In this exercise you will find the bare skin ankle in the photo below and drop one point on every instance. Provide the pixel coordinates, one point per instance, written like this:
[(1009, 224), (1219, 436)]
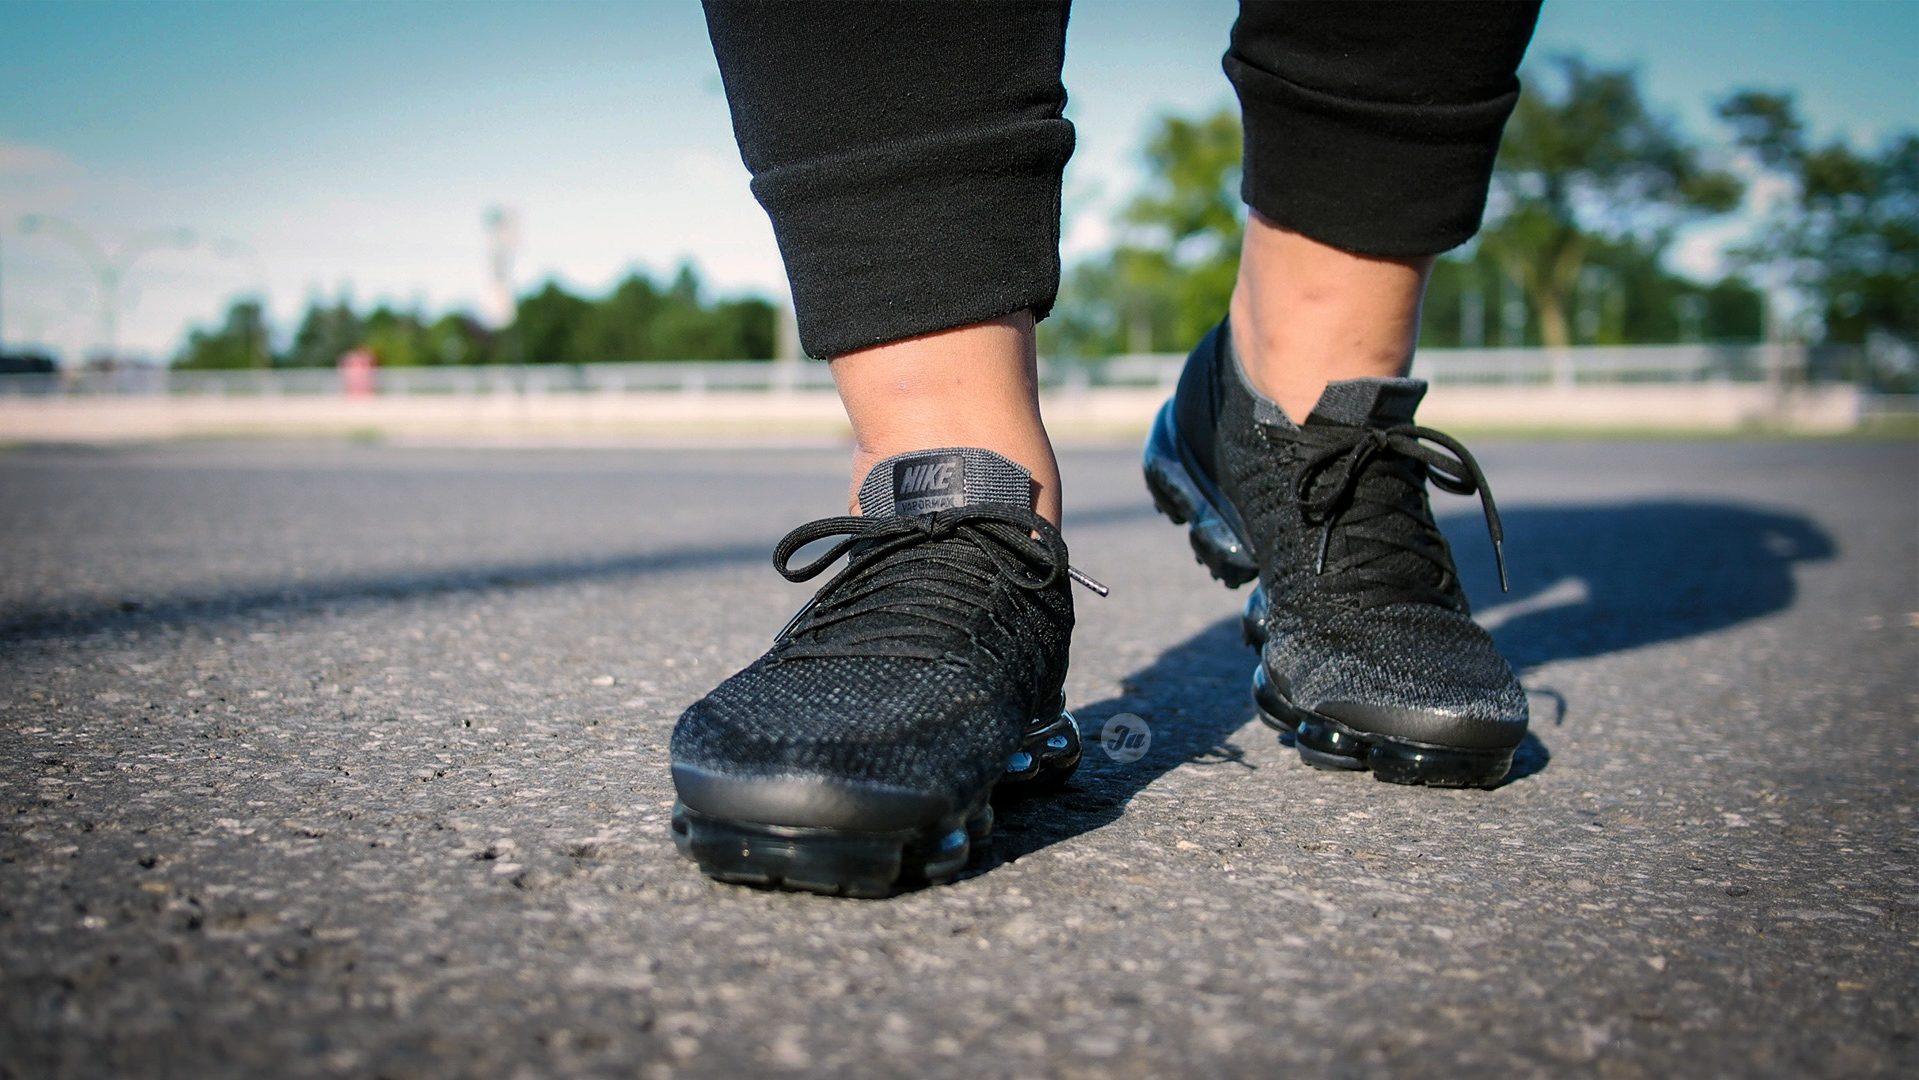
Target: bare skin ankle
[(972, 386), (1305, 314)]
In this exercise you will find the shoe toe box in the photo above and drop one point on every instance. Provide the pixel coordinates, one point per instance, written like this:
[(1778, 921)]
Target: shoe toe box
[(883, 745), (1421, 674)]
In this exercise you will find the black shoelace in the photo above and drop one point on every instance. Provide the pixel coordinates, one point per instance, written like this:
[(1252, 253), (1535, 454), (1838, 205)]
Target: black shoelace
[(1366, 511), (899, 566)]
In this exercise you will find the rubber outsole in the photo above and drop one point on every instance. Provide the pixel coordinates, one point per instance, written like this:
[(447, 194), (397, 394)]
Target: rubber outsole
[(838, 862), (1326, 743), (1183, 493)]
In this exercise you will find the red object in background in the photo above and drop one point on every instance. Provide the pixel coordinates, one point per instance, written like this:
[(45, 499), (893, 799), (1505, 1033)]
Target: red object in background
[(356, 373)]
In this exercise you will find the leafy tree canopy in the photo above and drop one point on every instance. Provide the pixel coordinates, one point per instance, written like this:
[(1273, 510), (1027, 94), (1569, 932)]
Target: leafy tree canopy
[(1169, 279), (1849, 238), (242, 341), (1584, 159), (638, 320)]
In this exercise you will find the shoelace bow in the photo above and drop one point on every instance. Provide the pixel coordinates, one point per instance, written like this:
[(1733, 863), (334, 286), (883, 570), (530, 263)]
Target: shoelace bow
[(1352, 450), (1021, 546)]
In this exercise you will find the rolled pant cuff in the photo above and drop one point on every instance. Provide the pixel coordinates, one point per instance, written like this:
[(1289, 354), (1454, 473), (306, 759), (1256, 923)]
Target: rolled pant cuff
[(1371, 177), (915, 236)]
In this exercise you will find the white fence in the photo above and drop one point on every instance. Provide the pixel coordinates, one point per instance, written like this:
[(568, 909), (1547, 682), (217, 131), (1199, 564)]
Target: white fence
[(1484, 367)]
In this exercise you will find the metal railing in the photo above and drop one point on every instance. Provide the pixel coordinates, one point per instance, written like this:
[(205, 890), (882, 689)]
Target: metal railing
[(1568, 367), (1637, 364)]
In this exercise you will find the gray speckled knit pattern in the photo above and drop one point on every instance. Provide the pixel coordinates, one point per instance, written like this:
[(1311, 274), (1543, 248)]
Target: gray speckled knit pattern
[(1327, 640), (948, 729), (1409, 656), (923, 670)]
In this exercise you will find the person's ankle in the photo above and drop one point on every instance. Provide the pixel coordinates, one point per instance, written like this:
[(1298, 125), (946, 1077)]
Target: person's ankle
[(1305, 314), (1269, 366), (972, 386)]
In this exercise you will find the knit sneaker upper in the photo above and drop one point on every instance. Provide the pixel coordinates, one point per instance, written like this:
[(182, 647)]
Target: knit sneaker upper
[(1366, 619), (913, 672)]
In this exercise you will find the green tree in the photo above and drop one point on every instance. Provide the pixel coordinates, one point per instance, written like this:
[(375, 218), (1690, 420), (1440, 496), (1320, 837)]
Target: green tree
[(617, 329), (326, 333), (1850, 236), (549, 325), (458, 338), (1625, 296), (749, 329), (1192, 202), (241, 341), (1172, 276), (1583, 161), (397, 338), (686, 328), (640, 320), (682, 329)]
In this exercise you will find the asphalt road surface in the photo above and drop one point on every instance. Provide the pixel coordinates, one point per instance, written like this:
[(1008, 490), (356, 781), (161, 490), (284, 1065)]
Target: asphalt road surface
[(334, 760)]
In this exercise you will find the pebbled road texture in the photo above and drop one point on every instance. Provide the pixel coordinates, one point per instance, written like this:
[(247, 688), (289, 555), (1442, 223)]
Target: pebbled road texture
[(334, 760)]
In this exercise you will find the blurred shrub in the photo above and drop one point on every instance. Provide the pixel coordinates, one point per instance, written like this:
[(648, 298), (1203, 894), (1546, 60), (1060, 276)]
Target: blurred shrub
[(242, 341), (638, 320)]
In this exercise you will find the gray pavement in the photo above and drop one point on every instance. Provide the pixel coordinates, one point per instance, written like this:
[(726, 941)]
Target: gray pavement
[(335, 760)]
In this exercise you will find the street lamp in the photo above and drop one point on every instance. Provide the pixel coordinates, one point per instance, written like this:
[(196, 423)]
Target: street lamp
[(109, 267)]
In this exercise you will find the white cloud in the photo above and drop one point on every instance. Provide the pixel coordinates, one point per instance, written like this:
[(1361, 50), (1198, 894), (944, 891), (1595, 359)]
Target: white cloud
[(21, 159), (1700, 250)]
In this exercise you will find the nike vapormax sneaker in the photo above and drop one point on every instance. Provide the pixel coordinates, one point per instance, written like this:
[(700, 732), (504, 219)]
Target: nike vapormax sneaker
[(1369, 654), (858, 755)]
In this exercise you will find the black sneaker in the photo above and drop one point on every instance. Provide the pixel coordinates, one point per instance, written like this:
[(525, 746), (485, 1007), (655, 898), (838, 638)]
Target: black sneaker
[(858, 755), (1369, 654)]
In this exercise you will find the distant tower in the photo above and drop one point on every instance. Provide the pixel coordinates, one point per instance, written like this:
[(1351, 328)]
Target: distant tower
[(502, 243)]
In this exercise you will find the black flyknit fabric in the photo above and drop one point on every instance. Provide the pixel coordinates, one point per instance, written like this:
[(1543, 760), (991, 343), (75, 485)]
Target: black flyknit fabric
[(923, 662), (1372, 620)]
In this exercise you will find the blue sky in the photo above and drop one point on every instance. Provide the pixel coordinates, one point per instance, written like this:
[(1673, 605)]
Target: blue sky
[(314, 148)]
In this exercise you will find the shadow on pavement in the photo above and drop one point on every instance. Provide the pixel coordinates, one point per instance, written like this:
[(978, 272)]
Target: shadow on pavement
[(1194, 697), (76, 617), (54, 621), (1587, 580)]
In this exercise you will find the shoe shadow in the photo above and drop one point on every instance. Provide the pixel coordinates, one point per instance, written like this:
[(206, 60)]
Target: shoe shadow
[(1590, 580), (1586, 581), (1194, 697)]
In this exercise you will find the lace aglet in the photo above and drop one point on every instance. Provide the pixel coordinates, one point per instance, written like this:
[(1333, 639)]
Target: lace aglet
[(1325, 541), (1084, 579), (1499, 560)]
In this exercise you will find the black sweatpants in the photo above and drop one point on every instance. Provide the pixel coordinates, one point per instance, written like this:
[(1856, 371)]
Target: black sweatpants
[(909, 153)]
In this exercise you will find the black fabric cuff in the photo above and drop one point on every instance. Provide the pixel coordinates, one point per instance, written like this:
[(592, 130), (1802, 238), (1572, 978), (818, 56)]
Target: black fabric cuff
[(1370, 177), (913, 236)]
